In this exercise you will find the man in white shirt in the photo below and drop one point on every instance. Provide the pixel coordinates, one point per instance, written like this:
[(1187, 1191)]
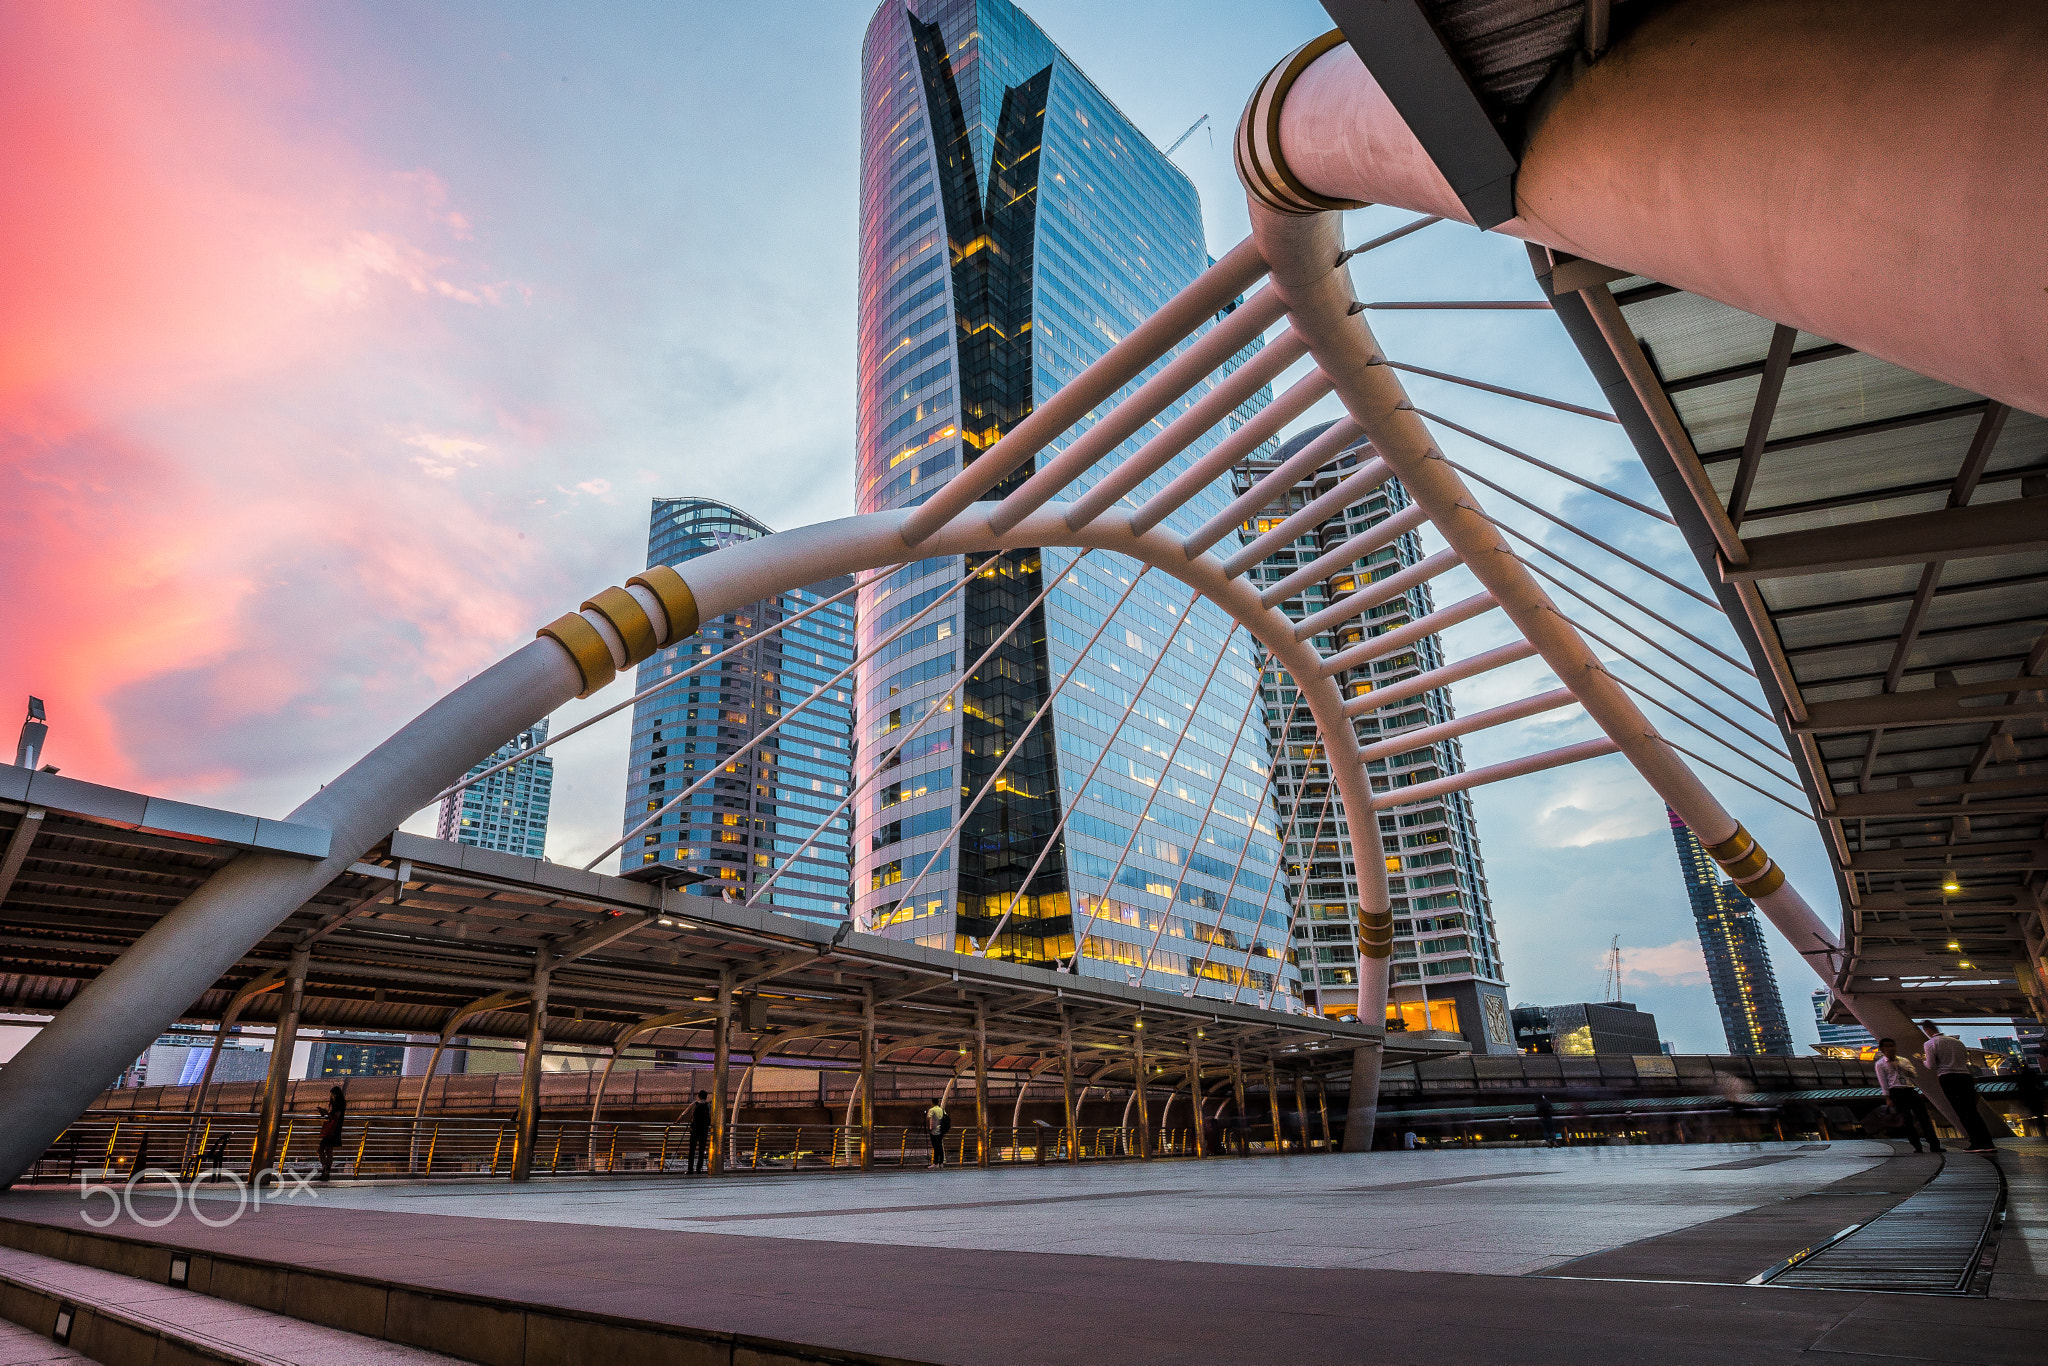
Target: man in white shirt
[(1950, 1062), (1897, 1084)]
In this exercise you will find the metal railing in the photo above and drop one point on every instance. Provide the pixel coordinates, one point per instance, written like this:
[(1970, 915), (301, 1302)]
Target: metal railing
[(141, 1145)]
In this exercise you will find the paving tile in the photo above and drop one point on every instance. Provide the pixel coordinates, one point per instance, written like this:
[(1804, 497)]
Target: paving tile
[(1332, 1282)]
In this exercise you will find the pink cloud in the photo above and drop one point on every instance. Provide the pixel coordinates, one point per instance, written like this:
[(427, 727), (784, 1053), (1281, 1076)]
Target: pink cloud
[(215, 550), (1678, 963)]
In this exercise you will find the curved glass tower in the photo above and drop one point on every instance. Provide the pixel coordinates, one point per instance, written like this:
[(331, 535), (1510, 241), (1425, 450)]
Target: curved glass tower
[(749, 821), (1014, 226)]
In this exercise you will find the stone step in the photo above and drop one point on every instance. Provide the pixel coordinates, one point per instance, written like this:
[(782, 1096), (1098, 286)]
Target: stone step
[(125, 1321)]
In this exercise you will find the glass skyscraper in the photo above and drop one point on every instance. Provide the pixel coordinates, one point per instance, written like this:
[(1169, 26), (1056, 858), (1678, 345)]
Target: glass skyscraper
[(1446, 970), (509, 809), (748, 823), (1738, 961), (1014, 226)]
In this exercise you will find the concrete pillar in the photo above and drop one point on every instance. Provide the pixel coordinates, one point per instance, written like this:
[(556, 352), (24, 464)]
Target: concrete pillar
[(1361, 1115), (277, 1084), (867, 1082), (1301, 1110), (1273, 1104), (981, 1083), (721, 1074), (1067, 1087), (1241, 1117), (526, 1127), (1323, 1108), (1139, 1073), (1195, 1095)]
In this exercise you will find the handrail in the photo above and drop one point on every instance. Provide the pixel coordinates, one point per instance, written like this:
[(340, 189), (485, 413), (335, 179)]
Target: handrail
[(137, 1145)]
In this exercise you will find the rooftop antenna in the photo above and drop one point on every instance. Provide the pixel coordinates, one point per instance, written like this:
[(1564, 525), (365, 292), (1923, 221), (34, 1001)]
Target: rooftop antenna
[(34, 731), (1190, 133), (1614, 969)]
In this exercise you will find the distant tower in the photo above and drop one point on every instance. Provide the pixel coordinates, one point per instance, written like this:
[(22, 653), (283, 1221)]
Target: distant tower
[(1738, 961), (745, 826), (1446, 950), (509, 809), (1837, 1035)]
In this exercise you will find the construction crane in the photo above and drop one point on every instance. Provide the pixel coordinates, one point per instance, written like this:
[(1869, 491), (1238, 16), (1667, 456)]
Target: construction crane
[(1190, 133), (1614, 969)]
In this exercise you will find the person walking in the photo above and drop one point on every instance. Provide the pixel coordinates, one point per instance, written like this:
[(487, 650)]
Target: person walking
[(700, 1132), (1546, 1115), (1950, 1062), (331, 1117), (1903, 1096), (936, 1123), (2027, 1090)]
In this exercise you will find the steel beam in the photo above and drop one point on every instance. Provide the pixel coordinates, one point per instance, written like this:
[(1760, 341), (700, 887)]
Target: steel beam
[(1929, 706), (2016, 527), (278, 1081), (984, 1156), (526, 1125), (2013, 855), (721, 1076), (604, 932), (18, 845)]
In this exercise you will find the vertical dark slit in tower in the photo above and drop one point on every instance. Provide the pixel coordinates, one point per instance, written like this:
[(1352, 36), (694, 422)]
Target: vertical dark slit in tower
[(991, 240)]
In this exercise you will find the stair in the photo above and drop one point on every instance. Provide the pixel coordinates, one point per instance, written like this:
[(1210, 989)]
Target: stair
[(125, 1321)]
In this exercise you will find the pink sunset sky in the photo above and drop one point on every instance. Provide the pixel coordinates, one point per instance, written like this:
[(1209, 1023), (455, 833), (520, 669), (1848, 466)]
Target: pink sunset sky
[(345, 344)]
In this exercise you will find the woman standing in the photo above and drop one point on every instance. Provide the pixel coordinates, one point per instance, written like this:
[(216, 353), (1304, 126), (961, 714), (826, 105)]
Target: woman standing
[(330, 1129)]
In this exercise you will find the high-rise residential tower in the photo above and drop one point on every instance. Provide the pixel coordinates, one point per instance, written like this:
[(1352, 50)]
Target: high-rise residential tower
[(509, 809), (746, 826), (1014, 226), (1446, 972), (1738, 961)]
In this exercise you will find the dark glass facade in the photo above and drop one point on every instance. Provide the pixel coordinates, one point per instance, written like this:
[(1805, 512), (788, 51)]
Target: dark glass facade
[(359, 1055), (749, 822), (1738, 960), (1586, 1028), (1014, 226)]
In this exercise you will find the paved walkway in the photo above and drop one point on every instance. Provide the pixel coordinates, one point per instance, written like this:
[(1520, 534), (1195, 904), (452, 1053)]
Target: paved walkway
[(1422, 1256), (1490, 1212)]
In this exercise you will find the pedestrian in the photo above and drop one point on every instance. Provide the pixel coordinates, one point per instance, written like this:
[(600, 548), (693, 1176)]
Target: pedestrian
[(2026, 1084), (1950, 1062), (1408, 1140), (936, 1123), (1903, 1096), (1546, 1114), (700, 1132), (330, 1129)]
